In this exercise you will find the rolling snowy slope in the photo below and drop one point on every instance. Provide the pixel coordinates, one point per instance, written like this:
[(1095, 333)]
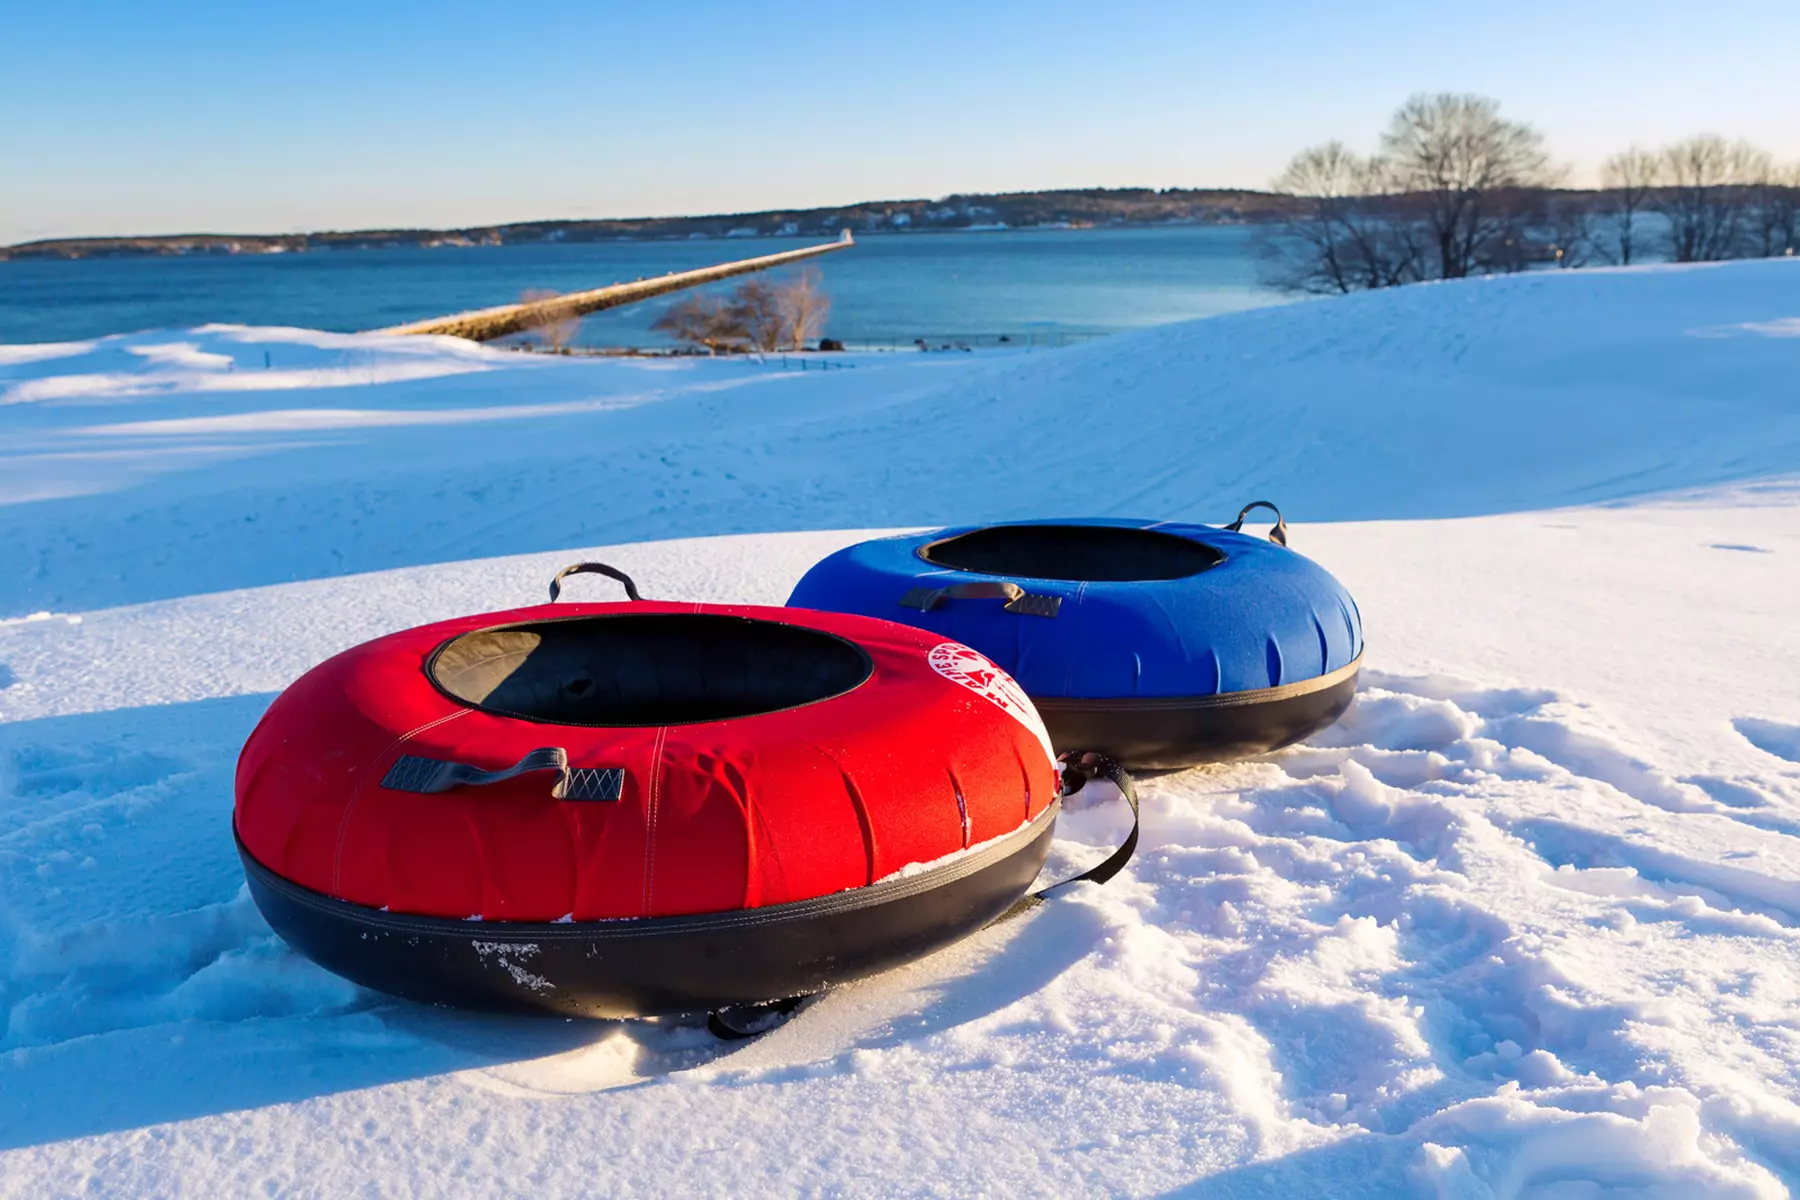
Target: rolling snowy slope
[(1526, 923), (353, 453)]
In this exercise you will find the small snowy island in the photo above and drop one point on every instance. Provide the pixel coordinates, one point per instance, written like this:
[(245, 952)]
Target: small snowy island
[(1525, 922)]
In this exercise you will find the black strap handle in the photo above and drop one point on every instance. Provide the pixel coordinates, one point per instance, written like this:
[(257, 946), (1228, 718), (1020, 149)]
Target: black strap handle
[(593, 568), (1018, 600), (752, 1020), (1278, 535), (1077, 770)]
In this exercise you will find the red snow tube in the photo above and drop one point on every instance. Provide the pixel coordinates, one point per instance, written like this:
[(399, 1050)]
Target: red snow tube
[(635, 808)]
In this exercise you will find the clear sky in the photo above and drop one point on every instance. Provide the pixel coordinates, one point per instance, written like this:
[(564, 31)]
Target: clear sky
[(155, 117)]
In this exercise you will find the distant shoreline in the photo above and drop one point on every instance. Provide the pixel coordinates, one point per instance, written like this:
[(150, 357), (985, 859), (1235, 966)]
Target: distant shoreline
[(974, 213)]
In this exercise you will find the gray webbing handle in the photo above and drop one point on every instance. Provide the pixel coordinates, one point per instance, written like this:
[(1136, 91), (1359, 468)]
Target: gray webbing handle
[(413, 773), (1018, 600)]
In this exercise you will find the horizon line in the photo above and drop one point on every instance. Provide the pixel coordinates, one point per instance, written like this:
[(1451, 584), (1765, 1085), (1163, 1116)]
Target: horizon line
[(747, 214)]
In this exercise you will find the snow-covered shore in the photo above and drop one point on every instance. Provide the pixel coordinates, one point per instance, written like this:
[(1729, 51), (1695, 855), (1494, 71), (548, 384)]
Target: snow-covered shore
[(1523, 924), (349, 453)]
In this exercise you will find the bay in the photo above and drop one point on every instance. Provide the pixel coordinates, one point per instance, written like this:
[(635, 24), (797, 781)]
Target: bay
[(887, 291)]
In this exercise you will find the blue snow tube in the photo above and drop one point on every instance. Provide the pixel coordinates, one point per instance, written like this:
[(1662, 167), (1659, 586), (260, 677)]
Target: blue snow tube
[(1160, 644)]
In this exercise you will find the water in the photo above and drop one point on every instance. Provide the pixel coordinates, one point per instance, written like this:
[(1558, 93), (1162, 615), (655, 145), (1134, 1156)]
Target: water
[(888, 289)]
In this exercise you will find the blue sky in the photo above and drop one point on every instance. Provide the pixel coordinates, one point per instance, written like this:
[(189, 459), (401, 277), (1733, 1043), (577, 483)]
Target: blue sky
[(163, 117)]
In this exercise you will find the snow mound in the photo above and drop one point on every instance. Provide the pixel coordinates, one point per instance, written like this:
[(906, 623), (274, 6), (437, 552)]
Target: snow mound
[(226, 358)]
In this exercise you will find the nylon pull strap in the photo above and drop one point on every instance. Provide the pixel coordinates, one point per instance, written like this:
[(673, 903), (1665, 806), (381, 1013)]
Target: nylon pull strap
[(1018, 600), (1077, 770), (593, 568), (412, 773), (1278, 535)]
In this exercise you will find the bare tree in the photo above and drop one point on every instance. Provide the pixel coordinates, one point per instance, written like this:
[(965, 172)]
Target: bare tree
[(702, 320), (1707, 196), (1775, 209), (1345, 232), (1565, 221), (556, 330), (1453, 192), (757, 311), (1468, 166), (1789, 201), (1629, 179), (803, 306)]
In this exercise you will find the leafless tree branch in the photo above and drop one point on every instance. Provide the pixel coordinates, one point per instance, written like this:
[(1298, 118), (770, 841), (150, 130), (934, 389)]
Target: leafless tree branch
[(803, 306), (1629, 178), (1708, 196), (556, 330)]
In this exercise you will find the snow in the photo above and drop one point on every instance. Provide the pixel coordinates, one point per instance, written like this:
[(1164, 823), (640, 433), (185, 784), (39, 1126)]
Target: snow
[(1525, 924)]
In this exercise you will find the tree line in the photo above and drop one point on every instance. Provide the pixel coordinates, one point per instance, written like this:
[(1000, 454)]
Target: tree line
[(1456, 189)]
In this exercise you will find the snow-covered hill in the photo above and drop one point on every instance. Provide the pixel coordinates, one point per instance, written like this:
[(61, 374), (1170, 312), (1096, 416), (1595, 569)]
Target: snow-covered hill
[(264, 456), (1527, 923)]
